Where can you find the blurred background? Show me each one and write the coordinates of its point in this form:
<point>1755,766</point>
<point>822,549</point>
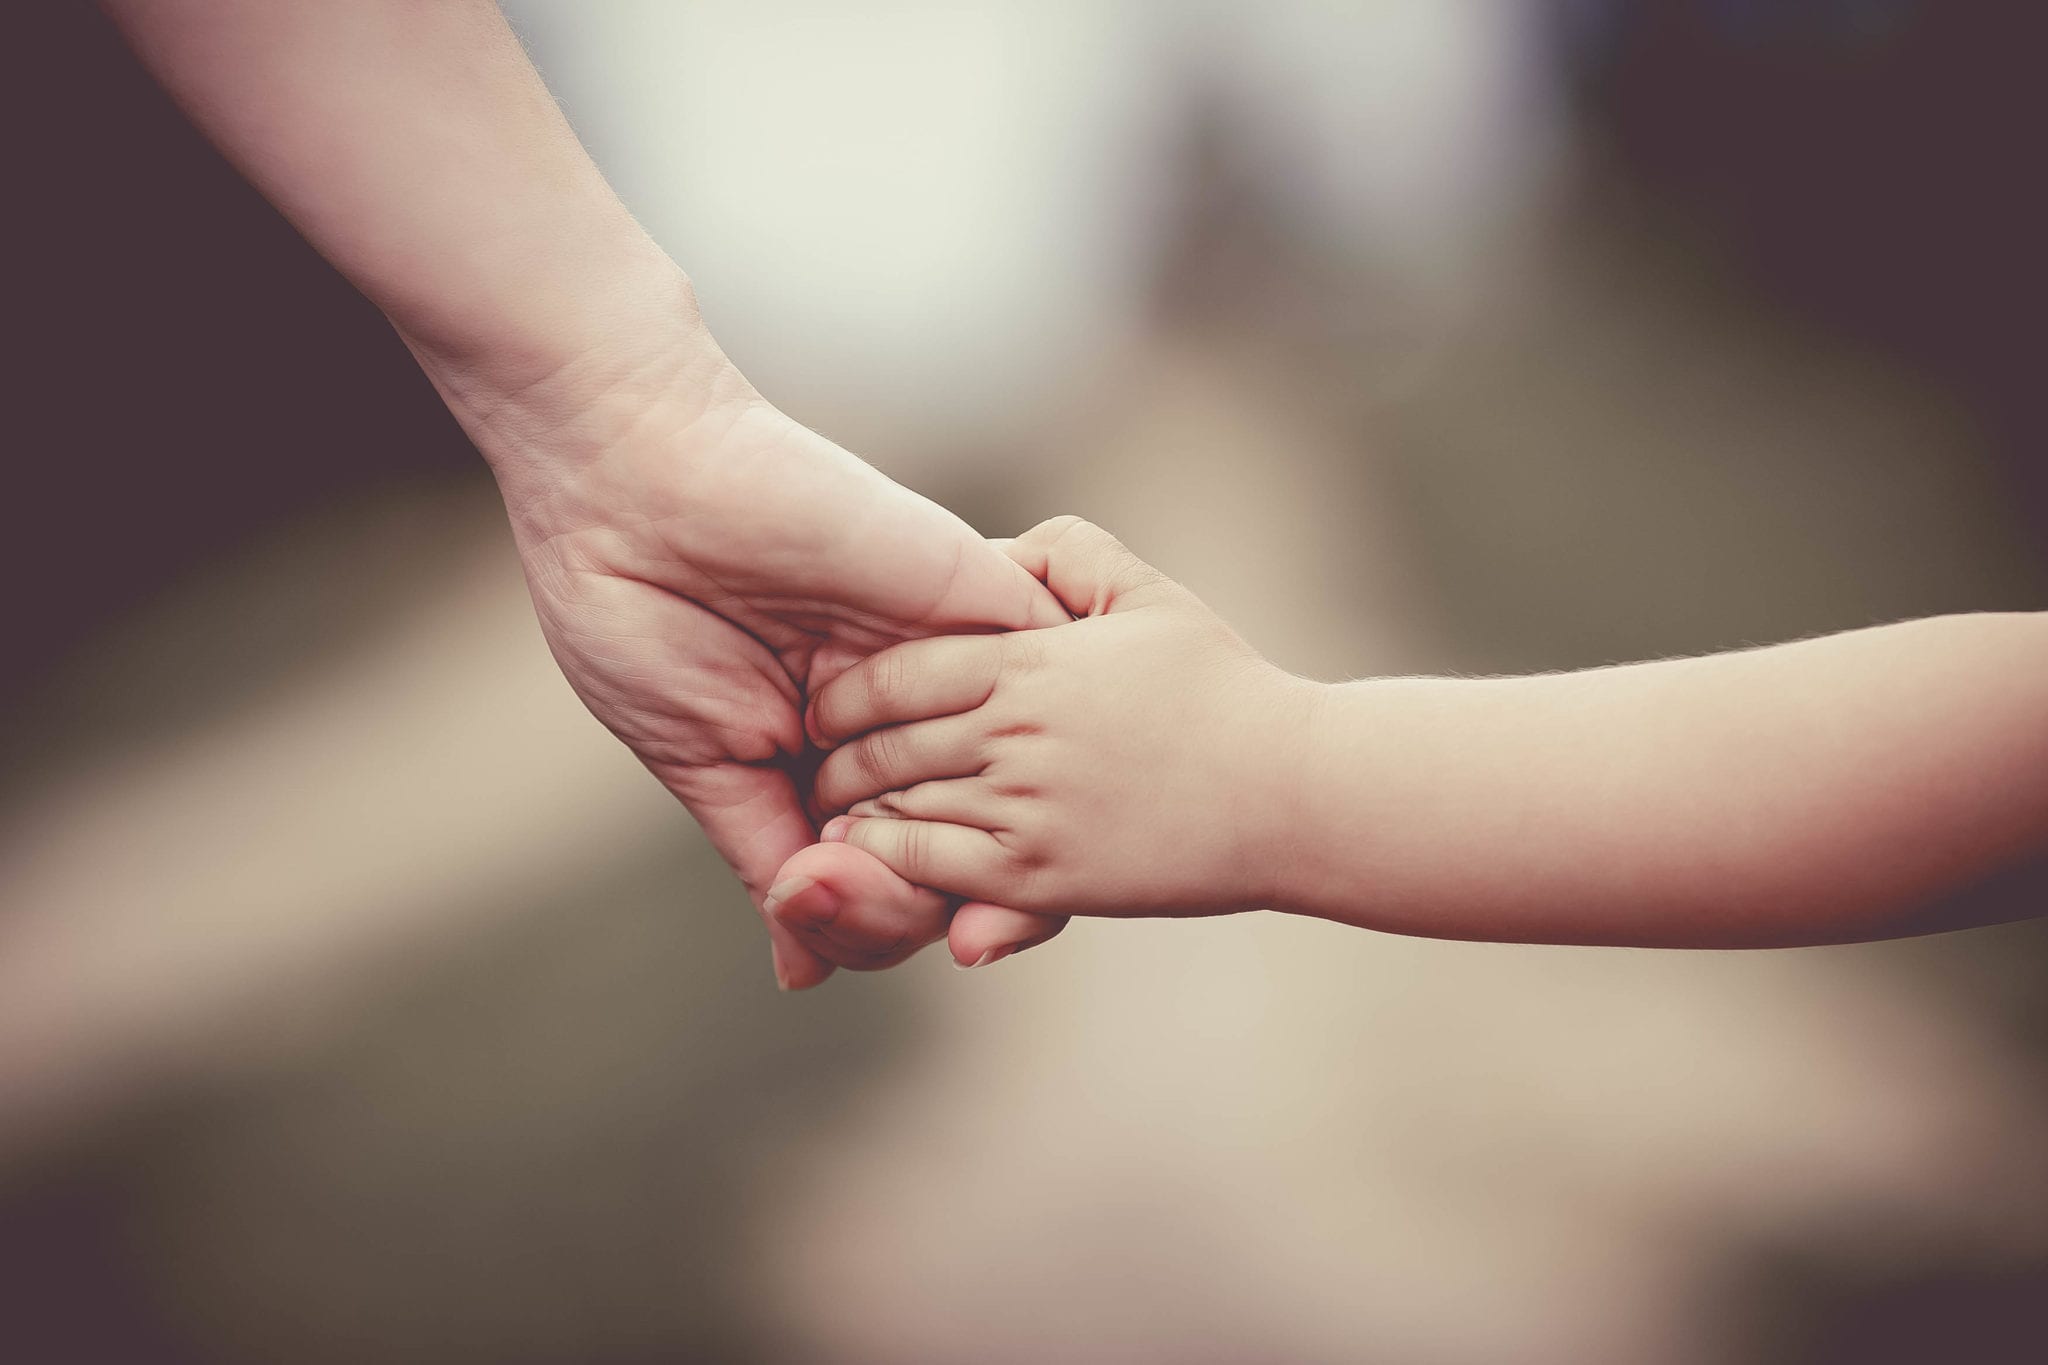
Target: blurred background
<point>361,1000</point>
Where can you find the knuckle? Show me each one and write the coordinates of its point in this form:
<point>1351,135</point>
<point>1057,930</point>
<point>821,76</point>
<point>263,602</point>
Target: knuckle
<point>877,753</point>
<point>1020,728</point>
<point>917,848</point>
<point>1024,882</point>
<point>1079,530</point>
<point>1019,852</point>
<point>1032,856</point>
<point>888,674</point>
<point>1058,526</point>
<point>867,835</point>
<point>1016,789</point>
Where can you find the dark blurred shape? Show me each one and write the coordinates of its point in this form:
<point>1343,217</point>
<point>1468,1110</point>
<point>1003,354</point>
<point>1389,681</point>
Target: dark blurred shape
<point>76,1289</point>
<point>194,371</point>
<point>1944,1304</point>
<point>1876,163</point>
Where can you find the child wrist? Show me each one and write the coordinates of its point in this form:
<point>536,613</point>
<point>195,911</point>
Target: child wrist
<point>1282,777</point>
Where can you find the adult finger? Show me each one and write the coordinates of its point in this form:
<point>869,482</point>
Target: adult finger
<point>755,820</point>
<point>852,911</point>
<point>916,680</point>
<point>987,591</point>
<point>860,915</point>
<point>898,756</point>
<point>982,933</point>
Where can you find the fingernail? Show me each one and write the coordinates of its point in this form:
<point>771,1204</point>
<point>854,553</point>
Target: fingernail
<point>992,955</point>
<point>835,830</point>
<point>781,979</point>
<point>786,890</point>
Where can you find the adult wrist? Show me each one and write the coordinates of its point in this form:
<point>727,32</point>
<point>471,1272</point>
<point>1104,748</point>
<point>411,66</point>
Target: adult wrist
<point>511,369</point>
<point>544,405</point>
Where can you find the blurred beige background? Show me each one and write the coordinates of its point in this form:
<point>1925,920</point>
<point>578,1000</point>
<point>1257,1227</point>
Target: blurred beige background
<point>361,1000</point>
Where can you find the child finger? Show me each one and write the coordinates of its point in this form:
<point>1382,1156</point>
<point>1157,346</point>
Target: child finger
<point>916,680</point>
<point>1045,609</point>
<point>953,800</point>
<point>896,757</point>
<point>950,858</point>
<point>1087,568</point>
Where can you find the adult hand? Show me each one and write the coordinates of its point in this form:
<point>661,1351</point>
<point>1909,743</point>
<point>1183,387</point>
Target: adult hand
<point>697,558</point>
<point>699,562</point>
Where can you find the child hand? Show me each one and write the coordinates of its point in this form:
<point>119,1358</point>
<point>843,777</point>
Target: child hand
<point>1133,762</point>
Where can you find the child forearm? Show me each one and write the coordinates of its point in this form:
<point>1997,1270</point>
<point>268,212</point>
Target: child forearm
<point>1852,787</point>
<point>1144,761</point>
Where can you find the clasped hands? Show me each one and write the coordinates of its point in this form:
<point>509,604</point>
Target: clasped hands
<point>896,731</point>
<point>701,564</point>
<point>723,588</point>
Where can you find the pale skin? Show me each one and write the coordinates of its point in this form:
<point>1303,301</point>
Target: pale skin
<point>1146,761</point>
<point>697,559</point>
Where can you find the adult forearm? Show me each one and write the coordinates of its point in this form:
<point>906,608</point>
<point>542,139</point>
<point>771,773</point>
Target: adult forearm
<point>1858,786</point>
<point>416,147</point>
